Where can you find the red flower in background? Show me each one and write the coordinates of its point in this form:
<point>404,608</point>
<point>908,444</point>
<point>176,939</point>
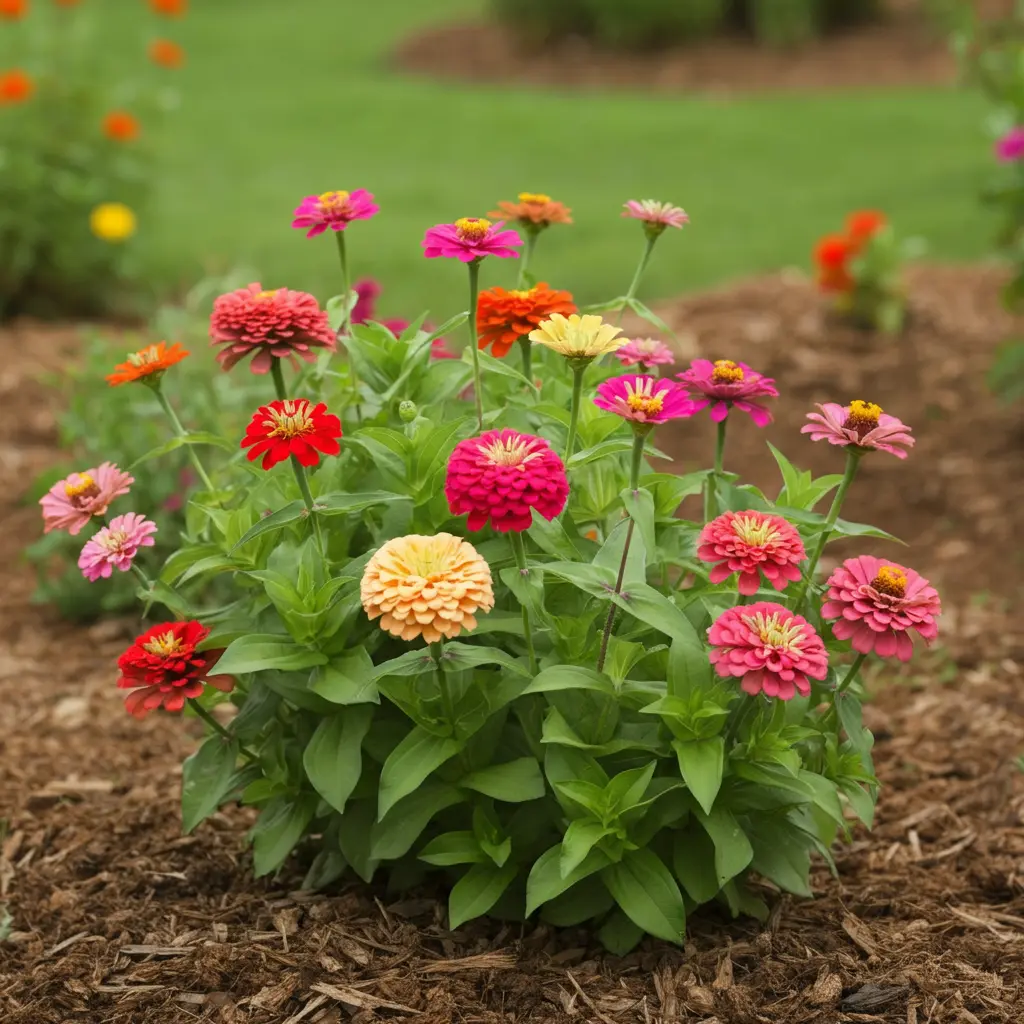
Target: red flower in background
<point>169,8</point>
<point>862,225</point>
<point>166,53</point>
<point>13,9</point>
<point>292,427</point>
<point>831,256</point>
<point>15,87</point>
<point>121,126</point>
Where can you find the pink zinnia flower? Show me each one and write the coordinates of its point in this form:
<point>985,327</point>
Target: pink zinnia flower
<point>500,476</point>
<point>333,210</point>
<point>643,399</point>
<point>366,291</point>
<point>439,349</point>
<point>877,603</point>
<point>646,352</point>
<point>769,648</point>
<point>72,502</point>
<point>752,543</point>
<point>861,424</point>
<point>268,325</point>
<point>723,384</point>
<point>656,215</point>
<point>1011,146</point>
<point>470,238</point>
<point>116,546</point>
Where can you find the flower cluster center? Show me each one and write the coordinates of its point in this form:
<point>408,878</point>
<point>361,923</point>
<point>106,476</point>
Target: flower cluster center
<point>81,485</point>
<point>145,356</point>
<point>534,198</point>
<point>862,417</point>
<point>522,293</point>
<point>267,295</point>
<point>775,633</point>
<point>890,580</point>
<point>111,540</point>
<point>753,531</point>
<point>726,372</point>
<point>163,644</point>
<point>472,229</point>
<point>292,420</point>
<point>513,451</point>
<point>640,396</point>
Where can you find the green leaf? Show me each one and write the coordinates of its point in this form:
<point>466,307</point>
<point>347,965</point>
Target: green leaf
<point>689,670</point>
<point>693,860</point>
<point>569,677</point>
<point>648,894</point>
<point>259,652</point>
<point>593,579</point>
<point>488,364</point>
<point>701,763</point>
<point>198,437</point>
<point>649,315</point>
<point>212,564</point>
<point>459,656</point>
<point>552,537</point>
<point>580,838</point>
<point>851,717</point>
<point>546,881</point>
<point>627,789</point>
<point>614,446</point>
<point>655,609</point>
<point>412,663</point>
<point>393,837</point>
<point>781,854</point>
<point>585,901</point>
<point>733,851</point>
<point>640,506</point>
<point>432,451</point>
<point>605,307</point>
<point>453,848</point>
<point>275,521</point>
<point>619,935</point>
<point>477,891</point>
<point>340,503</point>
<point>206,779</point>
<point>513,782</point>
<point>410,763</point>
<point>333,758</point>
<point>448,326</point>
<point>347,679</point>
<point>281,825</point>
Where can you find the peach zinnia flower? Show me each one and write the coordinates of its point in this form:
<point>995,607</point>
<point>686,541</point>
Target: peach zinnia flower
<point>72,502</point>
<point>656,215</point>
<point>752,543</point>
<point>724,384</point>
<point>15,87</point>
<point>426,586</point>
<point>503,317</point>
<point>861,424</point>
<point>643,400</point>
<point>166,54</point>
<point>115,546</point>
<point>534,211</point>
<point>469,239</point>
<point>148,364</point>
<point>645,352</point>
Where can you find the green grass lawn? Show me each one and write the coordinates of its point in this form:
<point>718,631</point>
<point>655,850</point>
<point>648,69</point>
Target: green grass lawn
<point>282,100</point>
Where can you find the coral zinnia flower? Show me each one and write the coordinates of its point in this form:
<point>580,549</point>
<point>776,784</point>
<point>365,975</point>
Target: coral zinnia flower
<point>112,222</point>
<point>862,225</point>
<point>15,87</point>
<point>148,364</point>
<point>724,384</point>
<point>501,475</point>
<point>877,603</point>
<point>769,648</point>
<point>656,215</point>
<point>578,337</point>
<point>292,427</point>
<point>831,257</point>
<point>470,238</point>
<point>333,210</point>
<point>645,352</point>
<point>268,325</point>
<point>751,543</point>
<point>163,667</point>
<point>643,399</point>
<point>862,424</point>
<point>426,586</point>
<point>13,9</point>
<point>503,317</point>
<point>72,502</point>
<point>166,54</point>
<point>121,126</point>
<point>169,8</point>
<point>534,211</point>
<point>115,546</point>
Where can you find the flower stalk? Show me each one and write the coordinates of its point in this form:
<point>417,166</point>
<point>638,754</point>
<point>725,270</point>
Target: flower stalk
<point>519,550</point>
<point>346,321</point>
<point>212,722</point>
<point>180,431</point>
<point>711,486</point>
<point>579,367</point>
<point>437,650</point>
<point>474,290</point>
<point>524,260</point>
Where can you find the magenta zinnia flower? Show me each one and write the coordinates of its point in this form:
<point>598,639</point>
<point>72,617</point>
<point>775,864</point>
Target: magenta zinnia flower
<point>115,546</point>
<point>656,215</point>
<point>500,476</point>
<point>769,648</point>
<point>268,325</point>
<point>752,543</point>
<point>723,384</point>
<point>861,424</point>
<point>643,399</point>
<point>333,210</point>
<point>646,352</point>
<point>1011,146</point>
<point>72,502</point>
<point>439,349</point>
<point>877,603</point>
<point>470,238</point>
<point>366,291</point>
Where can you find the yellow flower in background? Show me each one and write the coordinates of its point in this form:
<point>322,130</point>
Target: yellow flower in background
<point>112,222</point>
<point>578,337</point>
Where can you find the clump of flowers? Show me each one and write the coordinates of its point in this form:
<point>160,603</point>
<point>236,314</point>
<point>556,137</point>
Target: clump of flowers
<point>115,546</point>
<point>752,544</point>
<point>861,425</point>
<point>645,353</point>
<point>72,502</point>
<point>334,210</point>
<point>292,427</point>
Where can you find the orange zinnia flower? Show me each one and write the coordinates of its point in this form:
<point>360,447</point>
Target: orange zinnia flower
<point>503,317</point>
<point>66,3</point>
<point>831,255</point>
<point>120,126</point>
<point>171,8</point>
<point>13,9</point>
<point>15,87</point>
<point>166,54</point>
<point>153,359</point>
<point>534,211</point>
<point>860,226</point>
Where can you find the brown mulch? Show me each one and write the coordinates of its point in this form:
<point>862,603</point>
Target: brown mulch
<point>119,919</point>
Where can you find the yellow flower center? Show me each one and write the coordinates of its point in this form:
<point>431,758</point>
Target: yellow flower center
<point>472,229</point>
<point>111,540</point>
<point>862,417</point>
<point>726,372</point>
<point>534,198</point>
<point>266,296</point>
<point>513,451</point>
<point>293,420</point>
<point>332,201</point>
<point>774,632</point>
<point>753,531</point>
<point>145,356</point>
<point>891,581</point>
<point>640,396</point>
<point>522,293</point>
<point>163,644</point>
<point>80,485</point>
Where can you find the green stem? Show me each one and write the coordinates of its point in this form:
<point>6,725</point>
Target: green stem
<point>180,431</point>
<point>346,322</point>
<point>526,351</point>
<point>307,497</point>
<point>474,343</point>
<point>437,650</point>
<point>641,267</point>
<point>850,675</point>
<point>519,550</point>
<point>524,260</point>
<point>637,456</point>
<point>711,488</point>
<point>574,412</point>
<point>218,728</point>
<point>278,374</point>
<point>142,577</point>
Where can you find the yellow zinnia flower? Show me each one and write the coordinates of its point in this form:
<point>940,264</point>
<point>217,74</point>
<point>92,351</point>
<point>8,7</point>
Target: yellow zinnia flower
<point>426,586</point>
<point>578,337</point>
<point>112,222</point>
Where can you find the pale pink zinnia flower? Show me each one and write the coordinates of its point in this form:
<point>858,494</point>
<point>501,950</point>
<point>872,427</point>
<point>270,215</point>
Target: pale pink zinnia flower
<point>877,603</point>
<point>1010,147</point>
<point>656,215</point>
<point>471,238</point>
<point>268,325</point>
<point>643,399</point>
<point>751,543</point>
<point>862,424</point>
<point>723,384</point>
<point>334,210</point>
<point>72,502</point>
<point>116,546</point>
<point>771,649</point>
<point>645,352</point>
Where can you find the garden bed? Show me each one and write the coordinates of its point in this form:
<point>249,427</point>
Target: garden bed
<point>118,918</point>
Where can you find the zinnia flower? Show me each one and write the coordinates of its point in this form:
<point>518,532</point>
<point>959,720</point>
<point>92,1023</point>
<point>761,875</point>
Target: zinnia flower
<point>439,349</point>
<point>15,87</point>
<point>578,337</point>
<point>268,325</point>
<point>643,399</point>
<point>877,603</point>
<point>366,291</point>
<point>503,317</point>
<point>292,427</point>
<point>724,384</point>
<point>115,546</point>
<point>831,257</point>
<point>1010,147</point>
<point>148,364</point>
<point>752,543</point>
<point>862,225</point>
<point>645,352</point>
<point>163,667</point>
<point>121,126</point>
<point>426,586</point>
<point>862,424</point>
<point>169,8</point>
<point>112,222</point>
<point>13,9</point>
<point>334,210</point>
<point>72,502</point>
<point>656,215</point>
<point>534,211</point>
<point>470,238</point>
<point>500,476</point>
<point>769,648</point>
<point>166,54</point>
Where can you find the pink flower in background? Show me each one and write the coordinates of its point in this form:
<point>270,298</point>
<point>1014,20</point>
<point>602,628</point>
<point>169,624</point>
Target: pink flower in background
<point>723,384</point>
<point>1010,147</point>
<point>439,350</point>
<point>72,502</point>
<point>646,352</point>
<point>643,399</point>
<point>769,648</point>
<point>752,543</point>
<point>115,546</point>
<point>471,238</point>
<point>656,215</point>
<point>334,210</point>
<point>366,291</point>
<point>862,424</point>
<point>186,479</point>
<point>877,603</point>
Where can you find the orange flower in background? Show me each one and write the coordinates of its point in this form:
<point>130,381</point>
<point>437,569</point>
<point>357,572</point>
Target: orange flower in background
<point>831,256</point>
<point>534,210</point>
<point>66,3</point>
<point>13,9</point>
<point>169,8</point>
<point>121,126</point>
<point>503,317</point>
<point>15,87</point>
<point>153,359</point>
<point>861,225</point>
<point>166,54</point>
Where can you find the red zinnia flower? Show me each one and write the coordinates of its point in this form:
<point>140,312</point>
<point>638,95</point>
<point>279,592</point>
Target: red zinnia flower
<point>169,8</point>
<point>163,667</point>
<point>13,9</point>
<point>292,427</point>
<point>121,126</point>
<point>752,543</point>
<point>862,225</point>
<point>831,255</point>
<point>166,53</point>
<point>15,87</point>
<point>503,317</point>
